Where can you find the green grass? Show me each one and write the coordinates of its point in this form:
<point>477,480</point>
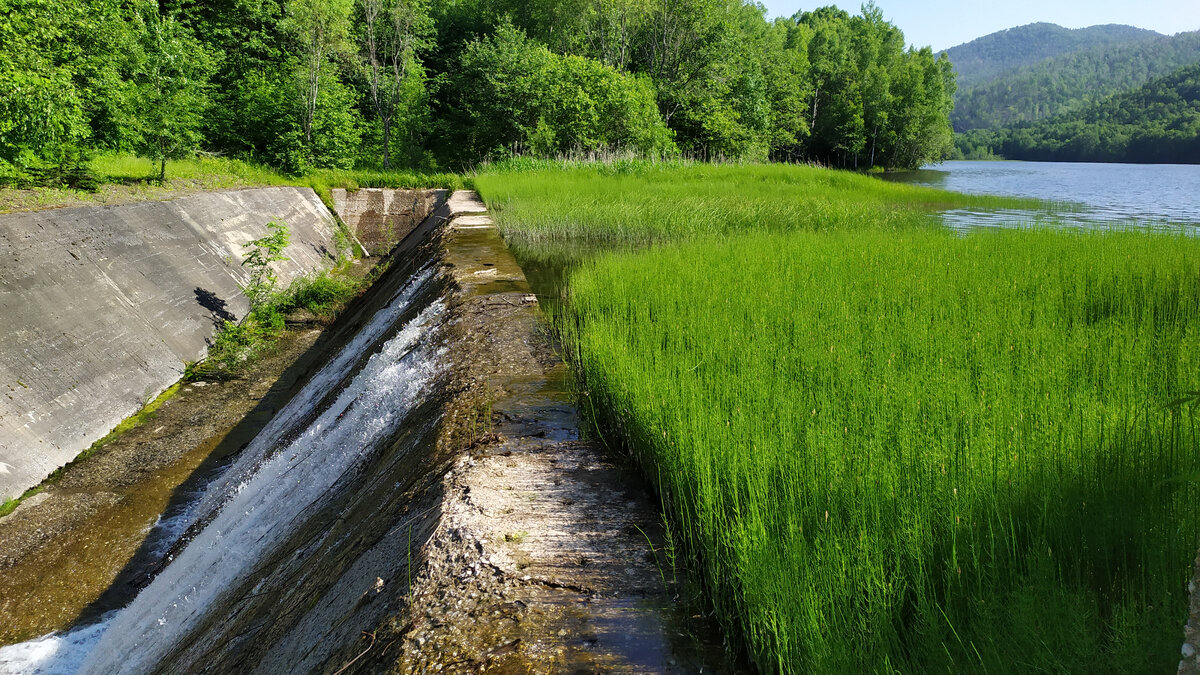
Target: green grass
<point>216,171</point>
<point>10,505</point>
<point>124,178</point>
<point>638,202</point>
<point>885,446</point>
<point>914,450</point>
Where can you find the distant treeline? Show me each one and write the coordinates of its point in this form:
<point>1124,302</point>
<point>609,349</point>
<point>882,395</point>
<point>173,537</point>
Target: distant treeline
<point>1071,81</point>
<point>344,83</point>
<point>1156,123</point>
<point>1002,53</point>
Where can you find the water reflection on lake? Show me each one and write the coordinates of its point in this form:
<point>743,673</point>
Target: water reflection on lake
<point>1163,196</point>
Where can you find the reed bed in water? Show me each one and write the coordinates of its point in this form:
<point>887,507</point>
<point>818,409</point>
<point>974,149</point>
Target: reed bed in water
<point>910,450</point>
<point>637,202</point>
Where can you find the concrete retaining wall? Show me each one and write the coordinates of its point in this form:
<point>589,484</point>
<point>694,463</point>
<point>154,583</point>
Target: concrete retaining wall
<point>101,306</point>
<point>381,218</point>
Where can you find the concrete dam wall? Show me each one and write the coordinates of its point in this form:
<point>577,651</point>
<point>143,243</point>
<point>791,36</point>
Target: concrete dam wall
<point>100,308</point>
<point>382,217</point>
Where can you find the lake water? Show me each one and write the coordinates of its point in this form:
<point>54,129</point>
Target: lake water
<point>1086,195</point>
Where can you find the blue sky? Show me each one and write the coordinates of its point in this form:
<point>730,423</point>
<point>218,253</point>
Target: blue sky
<point>946,23</point>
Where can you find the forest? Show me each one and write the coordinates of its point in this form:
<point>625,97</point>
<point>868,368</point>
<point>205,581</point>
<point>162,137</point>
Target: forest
<point>308,84</point>
<point>998,54</point>
<point>1070,81</point>
<point>1156,123</point>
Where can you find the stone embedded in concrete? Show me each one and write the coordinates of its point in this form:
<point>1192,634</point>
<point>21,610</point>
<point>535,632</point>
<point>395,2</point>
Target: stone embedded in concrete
<point>382,218</point>
<point>100,308</point>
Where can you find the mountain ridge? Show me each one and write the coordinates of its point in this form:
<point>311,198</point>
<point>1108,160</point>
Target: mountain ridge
<point>1158,122</point>
<point>991,55</point>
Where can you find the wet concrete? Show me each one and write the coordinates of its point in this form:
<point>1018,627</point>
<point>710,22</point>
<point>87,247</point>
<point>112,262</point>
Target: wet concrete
<point>380,218</point>
<point>80,547</point>
<point>487,535</point>
<point>550,556</point>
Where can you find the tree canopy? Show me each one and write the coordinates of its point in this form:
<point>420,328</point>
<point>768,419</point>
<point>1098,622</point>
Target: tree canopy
<point>1072,80</point>
<point>374,83</point>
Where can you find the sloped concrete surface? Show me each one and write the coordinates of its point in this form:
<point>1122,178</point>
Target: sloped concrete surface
<point>100,308</point>
<point>382,217</point>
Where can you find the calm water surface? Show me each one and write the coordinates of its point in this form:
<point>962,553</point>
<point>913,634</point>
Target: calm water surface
<point>1086,195</point>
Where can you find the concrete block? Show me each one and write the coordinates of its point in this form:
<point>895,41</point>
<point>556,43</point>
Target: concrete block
<point>382,218</point>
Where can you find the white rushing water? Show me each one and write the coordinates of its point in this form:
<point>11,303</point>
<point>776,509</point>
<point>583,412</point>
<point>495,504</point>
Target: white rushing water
<point>305,402</point>
<point>260,499</point>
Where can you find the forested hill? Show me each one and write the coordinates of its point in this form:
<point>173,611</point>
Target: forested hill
<point>987,58</point>
<point>1156,123</point>
<point>302,84</point>
<point>1071,80</point>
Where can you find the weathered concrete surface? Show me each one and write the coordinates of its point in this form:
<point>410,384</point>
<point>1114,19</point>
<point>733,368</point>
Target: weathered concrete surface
<point>549,556</point>
<point>81,547</point>
<point>101,307</point>
<point>381,218</point>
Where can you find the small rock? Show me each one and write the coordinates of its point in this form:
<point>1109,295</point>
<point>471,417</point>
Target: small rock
<point>1188,650</point>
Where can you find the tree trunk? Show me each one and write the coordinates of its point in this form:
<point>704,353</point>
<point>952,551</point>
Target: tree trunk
<point>387,146</point>
<point>162,161</point>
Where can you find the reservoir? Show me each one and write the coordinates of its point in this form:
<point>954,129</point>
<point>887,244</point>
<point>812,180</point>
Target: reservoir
<point>1084,195</point>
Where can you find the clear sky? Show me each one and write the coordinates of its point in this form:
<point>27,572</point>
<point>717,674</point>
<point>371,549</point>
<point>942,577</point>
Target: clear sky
<point>945,23</point>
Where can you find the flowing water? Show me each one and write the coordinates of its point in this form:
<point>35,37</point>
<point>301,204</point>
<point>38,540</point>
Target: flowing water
<point>1165,196</point>
<point>344,413</point>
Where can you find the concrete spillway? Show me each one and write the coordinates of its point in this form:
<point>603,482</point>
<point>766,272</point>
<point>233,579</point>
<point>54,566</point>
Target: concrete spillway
<point>423,503</point>
<point>100,308</point>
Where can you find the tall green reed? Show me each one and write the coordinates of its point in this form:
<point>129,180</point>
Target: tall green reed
<point>908,450</point>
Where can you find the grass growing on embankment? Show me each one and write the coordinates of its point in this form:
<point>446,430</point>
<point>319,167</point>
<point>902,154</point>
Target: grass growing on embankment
<point>886,446</point>
<point>122,178</point>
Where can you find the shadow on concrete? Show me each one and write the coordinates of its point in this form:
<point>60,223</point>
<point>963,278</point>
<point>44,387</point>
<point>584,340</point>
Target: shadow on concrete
<point>215,305</point>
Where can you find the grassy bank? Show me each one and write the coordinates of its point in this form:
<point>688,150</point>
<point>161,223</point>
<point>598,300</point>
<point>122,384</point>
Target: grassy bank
<point>887,447</point>
<point>122,178</point>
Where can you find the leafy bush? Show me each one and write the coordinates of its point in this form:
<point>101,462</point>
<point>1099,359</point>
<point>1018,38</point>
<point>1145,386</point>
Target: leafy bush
<point>512,91</point>
<point>260,288</point>
<point>324,294</point>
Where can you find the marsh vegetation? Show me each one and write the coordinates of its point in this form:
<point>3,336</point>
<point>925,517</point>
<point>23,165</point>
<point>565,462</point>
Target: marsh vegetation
<point>884,445</point>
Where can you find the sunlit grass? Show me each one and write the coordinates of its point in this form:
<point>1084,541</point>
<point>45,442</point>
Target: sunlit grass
<point>913,450</point>
<point>635,202</point>
<point>125,178</point>
<point>886,446</point>
<point>214,171</point>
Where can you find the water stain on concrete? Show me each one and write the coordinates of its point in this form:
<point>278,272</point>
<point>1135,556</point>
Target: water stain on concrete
<point>550,555</point>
